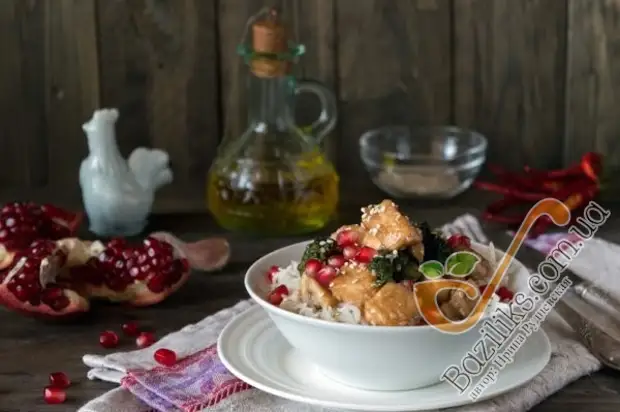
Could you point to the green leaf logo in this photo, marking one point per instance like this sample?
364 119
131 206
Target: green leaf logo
461 264
431 269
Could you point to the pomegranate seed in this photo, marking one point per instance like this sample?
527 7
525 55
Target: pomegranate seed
130 328
145 339
54 395
59 380
365 254
108 339
276 296
465 241
157 283
336 261
165 357
505 294
482 288
312 267
326 275
455 241
349 252
347 238
271 272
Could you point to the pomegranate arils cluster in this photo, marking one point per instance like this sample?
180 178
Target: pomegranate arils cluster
21 223
25 276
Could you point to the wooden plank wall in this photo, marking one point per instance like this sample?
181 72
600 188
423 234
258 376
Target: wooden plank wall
540 78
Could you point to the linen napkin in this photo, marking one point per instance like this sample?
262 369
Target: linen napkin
200 382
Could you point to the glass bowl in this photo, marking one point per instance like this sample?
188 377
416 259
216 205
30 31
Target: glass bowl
433 162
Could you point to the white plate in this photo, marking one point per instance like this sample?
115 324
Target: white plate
253 349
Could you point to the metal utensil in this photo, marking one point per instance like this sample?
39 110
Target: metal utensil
605 347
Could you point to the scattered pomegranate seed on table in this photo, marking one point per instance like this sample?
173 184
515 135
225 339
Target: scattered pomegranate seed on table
165 357
108 339
130 328
145 339
312 267
59 380
54 395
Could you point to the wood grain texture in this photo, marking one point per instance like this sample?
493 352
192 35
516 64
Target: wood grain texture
311 23
30 350
48 84
394 67
509 77
72 86
593 82
158 64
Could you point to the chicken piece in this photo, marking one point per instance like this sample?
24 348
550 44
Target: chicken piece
392 305
355 284
460 303
481 275
312 291
386 223
364 237
417 250
450 311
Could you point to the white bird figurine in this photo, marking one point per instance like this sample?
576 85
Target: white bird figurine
118 194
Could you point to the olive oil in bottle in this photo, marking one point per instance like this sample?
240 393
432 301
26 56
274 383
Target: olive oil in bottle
273 179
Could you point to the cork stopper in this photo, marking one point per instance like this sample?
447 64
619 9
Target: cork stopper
269 36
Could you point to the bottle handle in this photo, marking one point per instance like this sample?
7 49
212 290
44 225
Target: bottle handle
328 116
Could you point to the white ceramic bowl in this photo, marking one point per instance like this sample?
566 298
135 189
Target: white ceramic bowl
383 358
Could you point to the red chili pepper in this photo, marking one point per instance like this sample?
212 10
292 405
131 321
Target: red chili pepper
590 165
509 191
518 181
492 212
506 220
574 197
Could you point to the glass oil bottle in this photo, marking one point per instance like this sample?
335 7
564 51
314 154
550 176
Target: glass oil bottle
274 179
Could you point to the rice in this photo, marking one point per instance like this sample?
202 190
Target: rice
290 277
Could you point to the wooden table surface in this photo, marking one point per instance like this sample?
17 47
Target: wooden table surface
30 350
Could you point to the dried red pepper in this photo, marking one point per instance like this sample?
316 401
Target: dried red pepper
510 191
574 197
589 165
575 186
516 180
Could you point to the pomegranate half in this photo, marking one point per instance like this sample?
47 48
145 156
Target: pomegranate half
47 273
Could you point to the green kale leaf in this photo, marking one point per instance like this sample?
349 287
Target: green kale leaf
435 246
320 248
390 267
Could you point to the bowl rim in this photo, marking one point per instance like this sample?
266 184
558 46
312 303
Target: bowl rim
473 150
339 325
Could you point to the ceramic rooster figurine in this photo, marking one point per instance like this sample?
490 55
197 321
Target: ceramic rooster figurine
118 194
